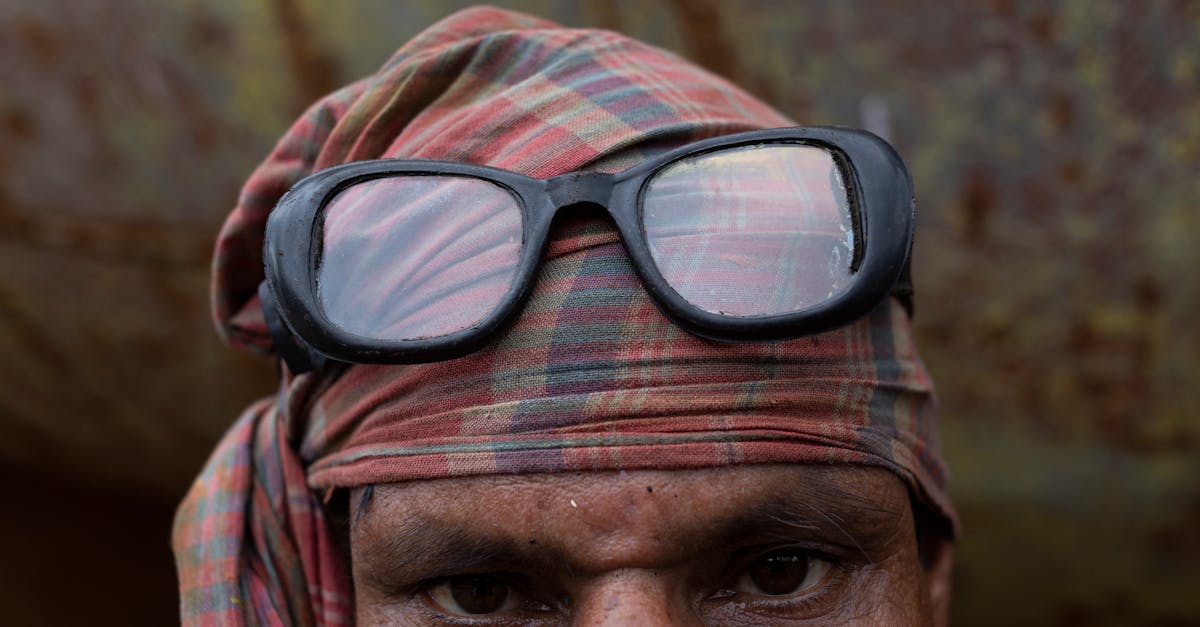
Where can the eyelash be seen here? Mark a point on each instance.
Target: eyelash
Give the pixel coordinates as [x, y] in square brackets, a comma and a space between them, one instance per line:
[821, 597]
[516, 586]
[816, 599]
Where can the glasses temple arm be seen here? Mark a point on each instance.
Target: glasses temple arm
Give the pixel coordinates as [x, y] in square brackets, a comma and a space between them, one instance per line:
[903, 290]
[298, 357]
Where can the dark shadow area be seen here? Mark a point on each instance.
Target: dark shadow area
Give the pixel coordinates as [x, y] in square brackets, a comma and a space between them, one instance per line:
[84, 557]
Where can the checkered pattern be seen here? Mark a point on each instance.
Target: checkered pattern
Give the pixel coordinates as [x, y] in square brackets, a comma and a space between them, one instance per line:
[590, 377]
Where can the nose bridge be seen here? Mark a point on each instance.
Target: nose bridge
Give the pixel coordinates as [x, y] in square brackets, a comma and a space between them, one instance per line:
[634, 597]
[580, 187]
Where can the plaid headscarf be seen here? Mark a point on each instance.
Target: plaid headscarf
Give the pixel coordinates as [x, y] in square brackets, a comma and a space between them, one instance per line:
[590, 377]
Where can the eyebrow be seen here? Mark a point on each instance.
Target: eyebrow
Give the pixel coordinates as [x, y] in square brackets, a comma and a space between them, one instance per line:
[851, 522]
[364, 499]
[424, 547]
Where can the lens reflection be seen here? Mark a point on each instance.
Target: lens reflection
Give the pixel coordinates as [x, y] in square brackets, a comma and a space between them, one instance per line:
[753, 230]
[411, 257]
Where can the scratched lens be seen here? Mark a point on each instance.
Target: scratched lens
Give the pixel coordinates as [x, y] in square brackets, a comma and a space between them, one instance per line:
[757, 230]
[412, 257]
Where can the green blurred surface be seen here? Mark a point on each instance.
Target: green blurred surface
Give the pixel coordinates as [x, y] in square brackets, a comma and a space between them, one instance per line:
[1054, 147]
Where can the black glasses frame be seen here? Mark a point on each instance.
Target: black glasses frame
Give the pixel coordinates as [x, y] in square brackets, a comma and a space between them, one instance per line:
[878, 185]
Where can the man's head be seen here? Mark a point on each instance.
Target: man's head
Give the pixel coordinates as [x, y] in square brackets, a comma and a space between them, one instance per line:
[593, 459]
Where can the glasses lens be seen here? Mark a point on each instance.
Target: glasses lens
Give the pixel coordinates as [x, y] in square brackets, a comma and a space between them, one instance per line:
[411, 257]
[752, 231]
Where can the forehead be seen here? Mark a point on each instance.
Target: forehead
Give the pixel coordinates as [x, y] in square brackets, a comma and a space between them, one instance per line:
[596, 520]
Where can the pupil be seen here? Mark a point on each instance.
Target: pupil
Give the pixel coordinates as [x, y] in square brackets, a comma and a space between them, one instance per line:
[779, 574]
[478, 595]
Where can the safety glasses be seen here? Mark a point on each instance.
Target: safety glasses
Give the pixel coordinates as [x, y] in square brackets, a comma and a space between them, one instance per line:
[756, 236]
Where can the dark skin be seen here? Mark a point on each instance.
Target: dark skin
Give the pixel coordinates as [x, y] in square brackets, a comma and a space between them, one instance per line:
[742, 545]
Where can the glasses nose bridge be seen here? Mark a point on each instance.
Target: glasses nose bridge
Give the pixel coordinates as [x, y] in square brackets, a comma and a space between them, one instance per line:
[577, 188]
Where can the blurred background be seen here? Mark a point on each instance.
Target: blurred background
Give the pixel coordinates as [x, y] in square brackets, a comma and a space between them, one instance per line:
[1054, 145]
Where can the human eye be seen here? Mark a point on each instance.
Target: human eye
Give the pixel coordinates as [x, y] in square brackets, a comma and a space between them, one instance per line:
[781, 584]
[783, 573]
[472, 595]
[482, 596]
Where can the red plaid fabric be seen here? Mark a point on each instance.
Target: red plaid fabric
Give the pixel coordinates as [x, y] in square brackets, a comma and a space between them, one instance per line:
[590, 377]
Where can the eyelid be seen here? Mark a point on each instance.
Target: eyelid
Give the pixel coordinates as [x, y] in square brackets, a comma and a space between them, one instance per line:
[822, 570]
[832, 552]
[438, 592]
[412, 576]
[520, 597]
[839, 566]
[845, 550]
[817, 600]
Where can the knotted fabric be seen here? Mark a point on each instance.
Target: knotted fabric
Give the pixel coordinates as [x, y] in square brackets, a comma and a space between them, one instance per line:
[591, 376]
